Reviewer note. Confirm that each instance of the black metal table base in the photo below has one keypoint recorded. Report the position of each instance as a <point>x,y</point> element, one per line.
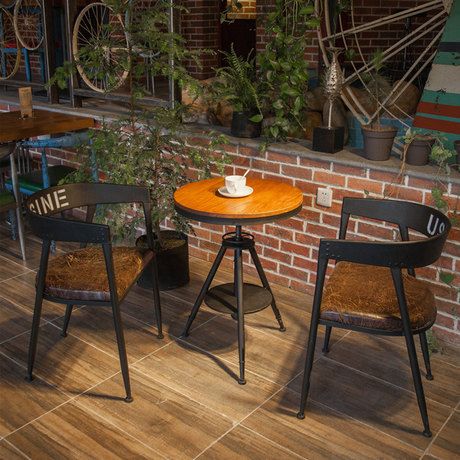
<point>222,298</point>
<point>236,298</point>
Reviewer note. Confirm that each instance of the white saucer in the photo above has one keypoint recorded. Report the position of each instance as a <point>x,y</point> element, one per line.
<point>245,191</point>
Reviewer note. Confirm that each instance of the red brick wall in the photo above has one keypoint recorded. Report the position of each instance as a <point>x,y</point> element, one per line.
<point>247,11</point>
<point>200,26</point>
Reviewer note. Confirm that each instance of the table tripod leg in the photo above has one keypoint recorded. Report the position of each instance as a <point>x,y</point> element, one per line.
<point>239,304</point>
<point>266,285</point>
<point>204,290</point>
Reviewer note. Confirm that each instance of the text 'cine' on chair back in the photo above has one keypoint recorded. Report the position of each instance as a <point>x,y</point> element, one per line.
<point>42,207</point>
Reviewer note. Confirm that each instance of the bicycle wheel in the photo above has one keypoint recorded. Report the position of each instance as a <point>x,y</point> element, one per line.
<point>100,48</point>
<point>10,55</point>
<point>28,23</point>
<point>388,33</point>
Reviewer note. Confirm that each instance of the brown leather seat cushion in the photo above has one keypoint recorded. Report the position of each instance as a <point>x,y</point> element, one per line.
<point>82,275</point>
<point>364,296</point>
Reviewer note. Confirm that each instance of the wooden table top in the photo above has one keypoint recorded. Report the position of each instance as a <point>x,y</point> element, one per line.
<point>270,200</point>
<point>13,128</point>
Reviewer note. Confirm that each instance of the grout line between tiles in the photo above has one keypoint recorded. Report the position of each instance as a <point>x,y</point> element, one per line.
<point>16,276</point>
<point>264,402</point>
<point>378,379</point>
<point>437,434</point>
<point>358,421</point>
<point>70,400</point>
<point>174,390</point>
<point>17,448</point>
<point>272,442</point>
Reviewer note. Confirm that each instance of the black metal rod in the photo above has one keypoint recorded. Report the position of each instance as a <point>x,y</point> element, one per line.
<point>156,298</point>
<point>65,325</point>
<point>38,307</point>
<point>399,287</point>
<point>204,290</point>
<point>107,249</point>
<point>266,285</point>
<point>240,312</point>
<point>320,275</point>
<point>426,355</point>
<point>327,338</point>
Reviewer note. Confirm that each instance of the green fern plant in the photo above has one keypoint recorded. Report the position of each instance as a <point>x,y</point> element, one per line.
<point>236,83</point>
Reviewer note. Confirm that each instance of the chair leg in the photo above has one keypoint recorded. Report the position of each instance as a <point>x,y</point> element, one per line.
<point>314,323</point>
<point>327,338</point>
<point>68,313</point>
<point>204,290</point>
<point>415,369</point>
<point>34,336</point>
<point>122,350</point>
<point>20,226</point>
<point>156,298</point>
<point>426,355</point>
<point>13,224</point>
<point>37,309</point>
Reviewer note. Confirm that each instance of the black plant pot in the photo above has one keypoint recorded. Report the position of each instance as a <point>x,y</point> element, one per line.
<point>172,259</point>
<point>328,140</point>
<point>378,143</point>
<point>242,126</point>
<point>418,152</point>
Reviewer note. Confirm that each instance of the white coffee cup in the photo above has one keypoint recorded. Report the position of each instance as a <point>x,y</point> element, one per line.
<point>235,184</point>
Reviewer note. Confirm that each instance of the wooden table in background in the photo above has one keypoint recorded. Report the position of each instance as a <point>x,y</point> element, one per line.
<point>13,129</point>
<point>270,201</point>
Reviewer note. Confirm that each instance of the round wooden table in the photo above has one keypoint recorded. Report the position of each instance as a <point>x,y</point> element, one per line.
<point>270,201</point>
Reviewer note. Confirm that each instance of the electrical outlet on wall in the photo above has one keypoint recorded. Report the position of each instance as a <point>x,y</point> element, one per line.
<point>324,197</point>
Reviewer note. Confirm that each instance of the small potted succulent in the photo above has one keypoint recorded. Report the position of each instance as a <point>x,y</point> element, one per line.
<point>378,138</point>
<point>236,84</point>
<point>417,147</point>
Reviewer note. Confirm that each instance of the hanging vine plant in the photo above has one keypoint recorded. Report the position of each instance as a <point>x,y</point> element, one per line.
<point>283,68</point>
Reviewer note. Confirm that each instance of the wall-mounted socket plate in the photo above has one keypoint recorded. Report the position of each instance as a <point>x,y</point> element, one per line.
<point>324,197</point>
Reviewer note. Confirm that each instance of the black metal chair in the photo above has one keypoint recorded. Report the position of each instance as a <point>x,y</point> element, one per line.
<point>368,290</point>
<point>98,274</point>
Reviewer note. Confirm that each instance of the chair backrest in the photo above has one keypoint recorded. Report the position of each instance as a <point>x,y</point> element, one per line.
<point>407,215</point>
<point>43,205</point>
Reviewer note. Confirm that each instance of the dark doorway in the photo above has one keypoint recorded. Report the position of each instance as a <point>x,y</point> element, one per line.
<point>240,32</point>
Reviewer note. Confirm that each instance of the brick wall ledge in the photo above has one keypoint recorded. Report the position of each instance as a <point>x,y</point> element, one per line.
<point>300,148</point>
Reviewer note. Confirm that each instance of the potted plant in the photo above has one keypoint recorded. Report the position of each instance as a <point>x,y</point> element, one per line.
<point>378,138</point>
<point>236,83</point>
<point>283,69</point>
<point>457,149</point>
<point>417,147</point>
<point>148,146</point>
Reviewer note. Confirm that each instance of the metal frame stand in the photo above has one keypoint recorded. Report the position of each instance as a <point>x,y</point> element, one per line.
<point>236,298</point>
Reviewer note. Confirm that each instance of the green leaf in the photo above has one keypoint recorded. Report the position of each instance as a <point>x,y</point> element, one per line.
<point>446,278</point>
<point>257,118</point>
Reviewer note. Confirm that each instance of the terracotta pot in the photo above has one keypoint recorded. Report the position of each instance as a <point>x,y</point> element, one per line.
<point>173,261</point>
<point>242,126</point>
<point>418,152</point>
<point>378,143</point>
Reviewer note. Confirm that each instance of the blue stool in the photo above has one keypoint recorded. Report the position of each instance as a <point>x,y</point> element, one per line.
<point>50,176</point>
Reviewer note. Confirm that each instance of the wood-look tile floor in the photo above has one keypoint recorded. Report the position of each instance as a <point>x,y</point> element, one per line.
<point>187,403</point>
